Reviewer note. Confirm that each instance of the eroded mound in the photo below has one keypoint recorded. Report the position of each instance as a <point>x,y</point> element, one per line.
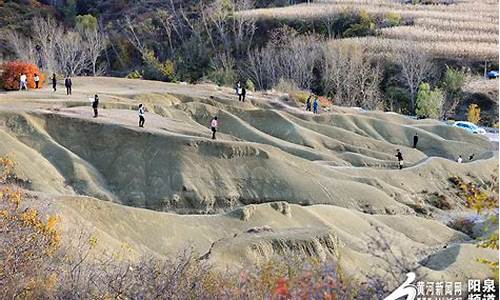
<point>186,172</point>
<point>277,181</point>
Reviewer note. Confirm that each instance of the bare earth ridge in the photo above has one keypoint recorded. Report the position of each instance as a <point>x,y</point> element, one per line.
<point>277,181</point>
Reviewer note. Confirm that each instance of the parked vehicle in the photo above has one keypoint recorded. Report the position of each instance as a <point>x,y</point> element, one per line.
<point>492,74</point>
<point>470,127</point>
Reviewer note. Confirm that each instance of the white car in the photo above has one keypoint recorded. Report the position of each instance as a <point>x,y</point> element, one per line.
<point>470,127</point>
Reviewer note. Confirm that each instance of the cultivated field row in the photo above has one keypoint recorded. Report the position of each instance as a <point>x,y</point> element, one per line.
<point>451,25</point>
<point>479,13</point>
<point>417,33</point>
<point>462,50</point>
<point>486,9</point>
<point>467,30</point>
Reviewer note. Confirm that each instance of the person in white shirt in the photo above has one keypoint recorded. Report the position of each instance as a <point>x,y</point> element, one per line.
<point>23,82</point>
<point>459,160</point>
<point>141,115</point>
<point>214,124</point>
<point>37,80</point>
<point>239,91</point>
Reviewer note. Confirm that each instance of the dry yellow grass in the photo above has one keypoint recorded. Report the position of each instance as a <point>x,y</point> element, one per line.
<point>417,33</point>
<point>438,24</point>
<point>467,30</point>
<point>462,50</point>
<point>479,84</point>
<point>463,12</point>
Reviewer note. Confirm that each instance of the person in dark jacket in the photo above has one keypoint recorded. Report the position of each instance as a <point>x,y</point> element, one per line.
<point>315,105</point>
<point>415,140</point>
<point>68,84</point>
<point>399,155</point>
<point>54,82</point>
<point>95,105</point>
<point>243,93</point>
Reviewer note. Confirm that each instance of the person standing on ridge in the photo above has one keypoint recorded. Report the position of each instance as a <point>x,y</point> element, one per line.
<point>68,84</point>
<point>308,103</point>
<point>37,80</point>
<point>243,93</point>
<point>315,105</point>
<point>23,82</point>
<point>95,105</point>
<point>399,155</point>
<point>214,124</point>
<point>239,91</point>
<point>471,157</point>
<point>415,140</point>
<point>141,115</point>
<point>54,82</point>
<point>459,159</point>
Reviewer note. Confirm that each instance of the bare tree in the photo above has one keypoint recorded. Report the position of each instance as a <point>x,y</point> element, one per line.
<point>224,25</point>
<point>133,37</point>
<point>23,47</point>
<point>416,67</point>
<point>167,21</point>
<point>72,53</point>
<point>350,76</point>
<point>258,67</point>
<point>60,51</point>
<point>290,58</point>
<point>243,27</point>
<point>95,44</point>
<point>46,36</point>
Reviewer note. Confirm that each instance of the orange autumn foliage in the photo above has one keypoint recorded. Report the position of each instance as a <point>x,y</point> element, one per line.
<point>324,101</point>
<point>11,71</point>
<point>281,292</point>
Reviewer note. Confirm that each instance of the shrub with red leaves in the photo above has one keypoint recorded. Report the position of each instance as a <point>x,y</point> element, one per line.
<point>324,101</point>
<point>11,72</point>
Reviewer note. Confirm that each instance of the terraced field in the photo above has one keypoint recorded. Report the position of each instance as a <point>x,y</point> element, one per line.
<point>465,30</point>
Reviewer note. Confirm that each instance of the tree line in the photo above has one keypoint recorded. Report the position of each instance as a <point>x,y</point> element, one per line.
<point>214,40</point>
<point>56,49</point>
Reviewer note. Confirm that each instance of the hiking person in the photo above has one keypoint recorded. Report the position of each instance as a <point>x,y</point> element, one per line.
<point>459,159</point>
<point>214,124</point>
<point>315,105</point>
<point>141,115</point>
<point>37,80</point>
<point>238,85</point>
<point>308,103</point>
<point>471,157</point>
<point>95,105</point>
<point>54,82</point>
<point>415,140</point>
<point>23,82</point>
<point>239,91</point>
<point>68,84</point>
<point>399,155</point>
<point>243,93</point>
